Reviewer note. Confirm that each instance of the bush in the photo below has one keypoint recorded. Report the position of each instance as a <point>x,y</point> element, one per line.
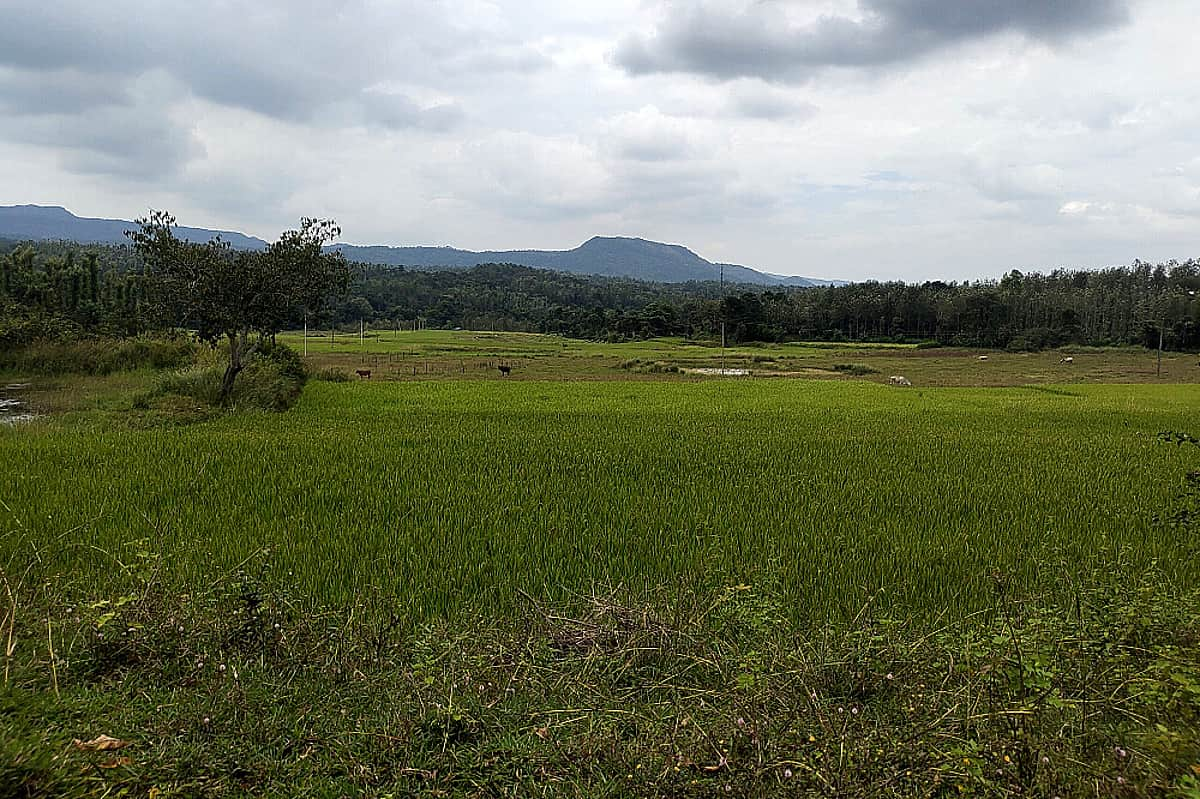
<point>331,375</point>
<point>272,380</point>
<point>100,356</point>
<point>199,382</point>
<point>265,384</point>
<point>286,358</point>
<point>854,369</point>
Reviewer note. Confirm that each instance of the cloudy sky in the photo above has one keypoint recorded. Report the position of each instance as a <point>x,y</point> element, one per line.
<point>910,139</point>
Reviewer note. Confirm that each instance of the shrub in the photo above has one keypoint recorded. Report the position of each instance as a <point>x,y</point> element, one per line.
<point>331,374</point>
<point>854,369</point>
<point>286,358</point>
<point>272,380</point>
<point>265,384</point>
<point>199,382</point>
<point>98,356</point>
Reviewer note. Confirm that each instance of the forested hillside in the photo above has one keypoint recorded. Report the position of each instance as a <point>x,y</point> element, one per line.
<point>52,288</point>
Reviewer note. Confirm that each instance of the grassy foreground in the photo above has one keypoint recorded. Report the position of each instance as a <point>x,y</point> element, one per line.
<point>689,587</point>
<point>243,688</point>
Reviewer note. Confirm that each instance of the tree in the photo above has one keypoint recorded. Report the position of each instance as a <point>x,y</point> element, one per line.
<point>228,294</point>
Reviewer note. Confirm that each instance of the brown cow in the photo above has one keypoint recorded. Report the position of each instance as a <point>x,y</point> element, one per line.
<point>363,373</point>
<point>504,370</point>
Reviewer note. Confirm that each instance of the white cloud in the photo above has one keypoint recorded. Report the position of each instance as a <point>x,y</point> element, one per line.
<point>1032,141</point>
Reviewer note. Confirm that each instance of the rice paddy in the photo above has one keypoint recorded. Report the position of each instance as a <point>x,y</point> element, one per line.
<point>457,495</point>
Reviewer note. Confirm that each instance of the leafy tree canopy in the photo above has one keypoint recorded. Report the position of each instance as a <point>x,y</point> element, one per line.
<point>229,295</point>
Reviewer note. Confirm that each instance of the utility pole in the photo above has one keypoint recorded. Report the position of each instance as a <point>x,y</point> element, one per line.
<point>360,332</point>
<point>306,334</point>
<point>721,308</point>
<point>1158,372</point>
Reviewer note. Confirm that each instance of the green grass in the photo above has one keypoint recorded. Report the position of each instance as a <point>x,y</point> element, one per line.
<point>446,354</point>
<point>585,580</point>
<point>456,495</point>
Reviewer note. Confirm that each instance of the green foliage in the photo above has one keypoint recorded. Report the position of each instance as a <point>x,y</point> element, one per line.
<point>331,374</point>
<point>856,369</point>
<point>241,685</point>
<point>648,367</point>
<point>1031,312</point>
<point>96,356</point>
<point>271,380</point>
<point>227,295</point>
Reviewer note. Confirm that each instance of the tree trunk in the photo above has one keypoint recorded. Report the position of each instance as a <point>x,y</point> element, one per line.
<point>236,344</point>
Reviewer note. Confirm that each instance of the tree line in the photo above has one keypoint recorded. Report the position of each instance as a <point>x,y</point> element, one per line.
<point>59,288</point>
<point>1114,306</point>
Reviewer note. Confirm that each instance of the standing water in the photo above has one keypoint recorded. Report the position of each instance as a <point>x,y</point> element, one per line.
<point>13,409</point>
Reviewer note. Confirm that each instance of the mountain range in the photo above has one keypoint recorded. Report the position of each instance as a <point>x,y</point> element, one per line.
<point>611,256</point>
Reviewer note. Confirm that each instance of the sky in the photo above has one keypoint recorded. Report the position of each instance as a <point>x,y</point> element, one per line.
<point>851,139</point>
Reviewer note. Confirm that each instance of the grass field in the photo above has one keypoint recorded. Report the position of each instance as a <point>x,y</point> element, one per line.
<point>604,577</point>
<point>441,355</point>
<point>458,494</point>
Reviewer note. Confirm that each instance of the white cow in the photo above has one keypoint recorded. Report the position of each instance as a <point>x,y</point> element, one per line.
<point>900,380</point>
<point>983,357</point>
<point>1067,359</point>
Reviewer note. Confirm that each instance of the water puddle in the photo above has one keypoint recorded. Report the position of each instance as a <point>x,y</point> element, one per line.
<point>14,409</point>
<point>719,372</point>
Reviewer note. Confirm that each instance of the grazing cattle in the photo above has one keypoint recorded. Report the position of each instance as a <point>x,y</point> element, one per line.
<point>900,380</point>
<point>1067,359</point>
<point>983,357</point>
<point>504,370</point>
<point>363,373</point>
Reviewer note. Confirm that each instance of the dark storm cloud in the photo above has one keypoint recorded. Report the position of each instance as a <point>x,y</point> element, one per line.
<point>760,41</point>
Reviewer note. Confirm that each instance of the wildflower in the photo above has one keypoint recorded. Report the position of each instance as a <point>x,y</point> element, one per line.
<point>853,711</point>
<point>1045,760</point>
<point>1119,752</point>
<point>890,676</point>
<point>787,773</point>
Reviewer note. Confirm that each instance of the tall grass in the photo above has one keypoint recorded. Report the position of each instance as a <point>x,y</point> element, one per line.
<point>96,356</point>
<point>457,496</point>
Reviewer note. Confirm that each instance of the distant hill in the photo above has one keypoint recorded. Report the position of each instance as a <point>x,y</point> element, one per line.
<point>609,256</point>
<point>38,222</point>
